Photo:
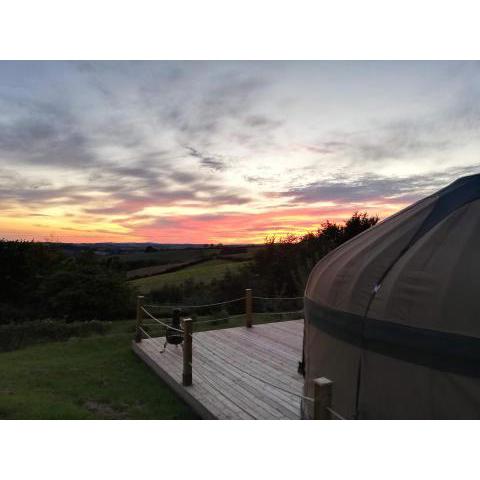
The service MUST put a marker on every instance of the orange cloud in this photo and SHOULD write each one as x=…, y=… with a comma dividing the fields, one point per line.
x=178, y=227
x=248, y=227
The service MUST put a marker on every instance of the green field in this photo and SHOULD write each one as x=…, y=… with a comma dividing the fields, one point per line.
x=98, y=377
x=148, y=271
x=164, y=257
x=204, y=272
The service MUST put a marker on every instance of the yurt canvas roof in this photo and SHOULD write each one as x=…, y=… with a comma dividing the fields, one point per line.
x=407, y=289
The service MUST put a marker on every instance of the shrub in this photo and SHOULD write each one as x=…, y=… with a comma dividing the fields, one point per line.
x=14, y=336
x=78, y=295
x=40, y=281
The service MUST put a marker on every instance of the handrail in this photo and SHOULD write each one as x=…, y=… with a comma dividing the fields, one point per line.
x=160, y=322
x=278, y=298
x=188, y=336
x=200, y=322
x=225, y=302
x=278, y=313
x=197, y=306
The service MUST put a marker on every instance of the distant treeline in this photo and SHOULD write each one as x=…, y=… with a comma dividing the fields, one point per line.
x=280, y=268
x=41, y=282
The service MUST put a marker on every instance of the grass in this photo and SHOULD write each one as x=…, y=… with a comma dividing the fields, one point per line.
x=147, y=271
x=164, y=257
x=98, y=377
x=205, y=272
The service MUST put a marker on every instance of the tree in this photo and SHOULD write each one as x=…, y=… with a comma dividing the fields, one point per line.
x=40, y=281
x=283, y=265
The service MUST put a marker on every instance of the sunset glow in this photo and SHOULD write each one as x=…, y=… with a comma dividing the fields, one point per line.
x=232, y=152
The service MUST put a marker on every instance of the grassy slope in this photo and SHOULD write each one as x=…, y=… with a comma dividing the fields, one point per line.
x=164, y=257
x=84, y=378
x=147, y=271
x=203, y=271
x=97, y=377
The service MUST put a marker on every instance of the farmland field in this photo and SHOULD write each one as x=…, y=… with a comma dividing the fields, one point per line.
x=131, y=261
x=206, y=272
x=155, y=270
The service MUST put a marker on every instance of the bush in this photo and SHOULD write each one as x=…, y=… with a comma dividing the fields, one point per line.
x=40, y=281
x=282, y=267
x=14, y=336
x=23, y=265
x=12, y=313
x=77, y=295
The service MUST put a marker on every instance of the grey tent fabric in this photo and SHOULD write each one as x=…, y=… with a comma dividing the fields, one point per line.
x=393, y=315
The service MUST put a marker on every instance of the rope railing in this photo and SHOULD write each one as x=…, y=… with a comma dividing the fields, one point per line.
x=322, y=389
x=248, y=314
x=213, y=320
x=145, y=332
x=283, y=313
x=197, y=306
x=278, y=298
x=160, y=322
x=256, y=377
x=226, y=302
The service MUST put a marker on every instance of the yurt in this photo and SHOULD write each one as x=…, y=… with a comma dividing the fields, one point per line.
x=392, y=317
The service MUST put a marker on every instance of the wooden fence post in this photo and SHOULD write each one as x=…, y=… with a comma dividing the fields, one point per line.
x=138, y=332
x=322, y=396
x=187, y=352
x=248, y=308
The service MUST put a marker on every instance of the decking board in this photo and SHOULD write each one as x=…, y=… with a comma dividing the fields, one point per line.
x=223, y=364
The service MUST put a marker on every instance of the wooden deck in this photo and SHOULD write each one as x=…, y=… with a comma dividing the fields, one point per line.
x=225, y=364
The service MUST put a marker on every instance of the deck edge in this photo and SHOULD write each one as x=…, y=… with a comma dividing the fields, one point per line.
x=179, y=389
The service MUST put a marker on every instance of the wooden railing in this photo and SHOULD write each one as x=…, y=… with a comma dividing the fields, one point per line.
x=322, y=387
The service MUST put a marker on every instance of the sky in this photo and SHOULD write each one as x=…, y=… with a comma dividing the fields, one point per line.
x=232, y=152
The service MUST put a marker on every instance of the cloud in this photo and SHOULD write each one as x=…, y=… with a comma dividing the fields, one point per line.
x=242, y=226
x=326, y=148
x=446, y=130
x=41, y=133
x=183, y=177
x=209, y=161
x=15, y=188
x=397, y=140
x=372, y=188
x=261, y=122
x=109, y=141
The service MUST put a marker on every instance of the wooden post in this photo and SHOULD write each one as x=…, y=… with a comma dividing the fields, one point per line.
x=248, y=308
x=187, y=352
x=322, y=395
x=138, y=332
